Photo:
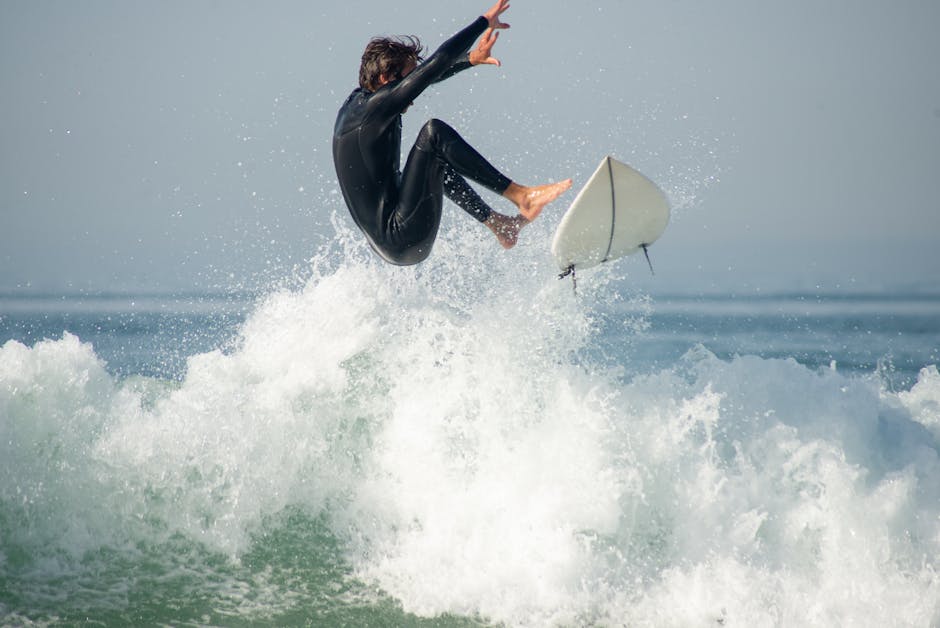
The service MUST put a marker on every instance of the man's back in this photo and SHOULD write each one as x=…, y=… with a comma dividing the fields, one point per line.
x=366, y=153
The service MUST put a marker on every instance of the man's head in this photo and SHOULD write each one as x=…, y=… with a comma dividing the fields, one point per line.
x=388, y=59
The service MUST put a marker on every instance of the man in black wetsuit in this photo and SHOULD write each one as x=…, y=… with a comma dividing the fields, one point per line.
x=400, y=211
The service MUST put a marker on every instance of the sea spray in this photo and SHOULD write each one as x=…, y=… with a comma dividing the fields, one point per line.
x=779, y=512
x=465, y=438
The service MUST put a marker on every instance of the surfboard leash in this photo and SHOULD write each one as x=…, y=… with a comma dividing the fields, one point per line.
x=574, y=278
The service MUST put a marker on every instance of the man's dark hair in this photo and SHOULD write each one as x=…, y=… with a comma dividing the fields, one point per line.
x=389, y=56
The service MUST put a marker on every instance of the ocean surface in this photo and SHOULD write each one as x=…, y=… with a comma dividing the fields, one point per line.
x=469, y=442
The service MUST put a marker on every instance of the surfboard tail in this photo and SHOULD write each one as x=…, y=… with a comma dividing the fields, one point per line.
x=618, y=212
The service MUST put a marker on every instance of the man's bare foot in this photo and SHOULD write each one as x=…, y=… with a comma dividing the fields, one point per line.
x=531, y=200
x=506, y=228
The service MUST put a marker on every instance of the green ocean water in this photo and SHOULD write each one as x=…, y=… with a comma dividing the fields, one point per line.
x=292, y=574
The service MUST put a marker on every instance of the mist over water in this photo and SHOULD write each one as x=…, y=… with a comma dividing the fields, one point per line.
x=468, y=440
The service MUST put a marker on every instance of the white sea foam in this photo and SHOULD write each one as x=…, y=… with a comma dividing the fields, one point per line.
x=473, y=458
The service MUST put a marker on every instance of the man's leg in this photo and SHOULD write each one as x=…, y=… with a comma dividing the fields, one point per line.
x=441, y=139
x=438, y=154
x=505, y=228
x=438, y=163
x=413, y=227
x=459, y=191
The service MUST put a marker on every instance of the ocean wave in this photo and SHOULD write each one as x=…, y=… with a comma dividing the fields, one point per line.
x=448, y=438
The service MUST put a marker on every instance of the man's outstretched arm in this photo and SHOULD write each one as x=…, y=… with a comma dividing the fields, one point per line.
x=446, y=62
x=433, y=69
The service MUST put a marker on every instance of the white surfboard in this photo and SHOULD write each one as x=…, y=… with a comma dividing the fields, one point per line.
x=618, y=212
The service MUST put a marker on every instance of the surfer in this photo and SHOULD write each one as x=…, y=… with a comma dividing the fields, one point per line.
x=399, y=211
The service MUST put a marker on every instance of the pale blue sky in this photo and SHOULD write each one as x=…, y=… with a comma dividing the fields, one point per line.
x=177, y=145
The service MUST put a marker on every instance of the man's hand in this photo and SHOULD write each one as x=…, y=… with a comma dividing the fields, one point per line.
x=484, y=46
x=488, y=39
x=492, y=16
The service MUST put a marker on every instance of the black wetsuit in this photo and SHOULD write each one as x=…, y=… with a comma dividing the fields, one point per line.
x=400, y=212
